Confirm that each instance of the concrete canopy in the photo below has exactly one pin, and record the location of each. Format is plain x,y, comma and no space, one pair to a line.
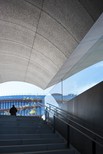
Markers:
38,37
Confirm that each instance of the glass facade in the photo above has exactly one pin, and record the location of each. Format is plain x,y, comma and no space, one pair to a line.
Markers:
57,95
27,105
69,88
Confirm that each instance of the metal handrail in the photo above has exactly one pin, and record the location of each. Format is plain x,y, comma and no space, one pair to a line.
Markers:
68,123
61,110
76,122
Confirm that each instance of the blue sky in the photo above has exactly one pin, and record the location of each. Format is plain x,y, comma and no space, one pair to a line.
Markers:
81,81
85,79
75,84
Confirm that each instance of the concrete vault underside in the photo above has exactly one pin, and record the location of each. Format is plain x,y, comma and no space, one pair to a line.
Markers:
44,41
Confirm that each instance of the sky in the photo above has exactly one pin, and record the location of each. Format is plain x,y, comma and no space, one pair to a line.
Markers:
21,88
85,79
75,84
81,81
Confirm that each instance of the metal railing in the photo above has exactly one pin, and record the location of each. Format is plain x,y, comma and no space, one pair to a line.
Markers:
71,122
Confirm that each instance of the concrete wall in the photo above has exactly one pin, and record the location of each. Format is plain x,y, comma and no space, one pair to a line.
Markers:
88,108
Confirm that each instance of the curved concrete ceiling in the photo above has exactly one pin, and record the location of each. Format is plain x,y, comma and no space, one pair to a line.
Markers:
37,37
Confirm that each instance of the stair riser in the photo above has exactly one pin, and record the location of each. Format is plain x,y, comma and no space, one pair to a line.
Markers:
25,132
27,136
24,128
31,148
53,152
25,142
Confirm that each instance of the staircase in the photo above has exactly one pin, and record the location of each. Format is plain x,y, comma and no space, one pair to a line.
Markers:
29,135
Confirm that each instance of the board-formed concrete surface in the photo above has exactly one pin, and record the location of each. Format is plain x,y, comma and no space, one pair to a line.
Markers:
40,39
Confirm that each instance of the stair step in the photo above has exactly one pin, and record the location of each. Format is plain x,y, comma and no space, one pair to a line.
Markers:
32,141
26,132
23,128
61,151
9,122
31,148
19,118
31,126
27,136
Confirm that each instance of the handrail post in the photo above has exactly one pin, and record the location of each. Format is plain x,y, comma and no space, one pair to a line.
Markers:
54,124
93,147
46,114
68,136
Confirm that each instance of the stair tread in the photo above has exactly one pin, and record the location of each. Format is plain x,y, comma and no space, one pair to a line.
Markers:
33,145
26,135
48,151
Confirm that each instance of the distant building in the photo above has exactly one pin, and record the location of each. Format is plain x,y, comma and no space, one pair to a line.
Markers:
63,98
27,105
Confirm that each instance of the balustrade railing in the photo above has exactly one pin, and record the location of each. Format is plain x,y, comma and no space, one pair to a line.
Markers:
72,122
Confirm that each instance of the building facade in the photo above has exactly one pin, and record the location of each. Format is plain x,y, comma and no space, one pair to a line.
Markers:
27,105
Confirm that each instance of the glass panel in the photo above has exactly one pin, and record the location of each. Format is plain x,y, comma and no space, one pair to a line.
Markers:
27,105
75,85
55,95
83,80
